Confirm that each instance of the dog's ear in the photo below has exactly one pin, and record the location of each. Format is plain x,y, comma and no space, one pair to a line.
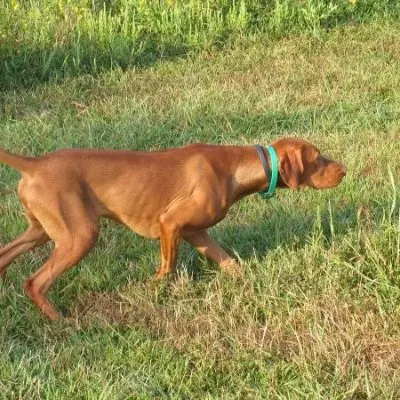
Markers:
291,167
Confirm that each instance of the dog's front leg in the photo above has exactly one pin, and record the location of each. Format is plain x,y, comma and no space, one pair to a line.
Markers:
206,245
169,238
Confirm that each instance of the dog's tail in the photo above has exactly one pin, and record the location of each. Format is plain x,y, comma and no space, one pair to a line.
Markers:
20,163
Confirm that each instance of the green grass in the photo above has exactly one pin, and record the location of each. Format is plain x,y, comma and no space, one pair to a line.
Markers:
43,40
316,314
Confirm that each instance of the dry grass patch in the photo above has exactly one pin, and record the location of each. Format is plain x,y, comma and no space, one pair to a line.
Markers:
339,333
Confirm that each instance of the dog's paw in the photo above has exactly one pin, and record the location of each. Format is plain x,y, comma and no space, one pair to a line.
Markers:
160,274
232,267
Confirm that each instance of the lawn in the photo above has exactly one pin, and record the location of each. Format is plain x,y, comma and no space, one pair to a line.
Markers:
316,314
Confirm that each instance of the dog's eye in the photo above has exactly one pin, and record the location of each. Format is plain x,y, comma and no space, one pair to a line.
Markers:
320,160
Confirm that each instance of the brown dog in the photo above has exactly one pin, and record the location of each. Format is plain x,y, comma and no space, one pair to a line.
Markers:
172,195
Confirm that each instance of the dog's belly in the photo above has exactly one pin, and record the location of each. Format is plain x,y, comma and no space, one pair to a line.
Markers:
142,226
132,208
141,221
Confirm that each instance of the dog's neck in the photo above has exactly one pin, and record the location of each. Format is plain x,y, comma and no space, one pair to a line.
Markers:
248,175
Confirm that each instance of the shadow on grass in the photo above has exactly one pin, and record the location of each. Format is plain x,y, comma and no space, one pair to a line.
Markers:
26,67
26,63
280,229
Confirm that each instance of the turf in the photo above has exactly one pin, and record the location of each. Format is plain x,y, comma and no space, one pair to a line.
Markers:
316,314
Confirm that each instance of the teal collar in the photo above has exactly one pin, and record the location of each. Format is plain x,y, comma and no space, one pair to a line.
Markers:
270,172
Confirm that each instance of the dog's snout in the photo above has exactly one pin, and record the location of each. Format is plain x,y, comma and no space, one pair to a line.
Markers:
342,170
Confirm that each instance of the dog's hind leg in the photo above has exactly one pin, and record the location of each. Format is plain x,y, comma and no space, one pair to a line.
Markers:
73,225
65,255
34,236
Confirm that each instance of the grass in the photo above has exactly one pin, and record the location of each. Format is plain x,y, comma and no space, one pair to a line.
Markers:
316,314
53,39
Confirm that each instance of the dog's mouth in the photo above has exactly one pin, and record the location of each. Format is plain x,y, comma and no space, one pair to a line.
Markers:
334,182
325,183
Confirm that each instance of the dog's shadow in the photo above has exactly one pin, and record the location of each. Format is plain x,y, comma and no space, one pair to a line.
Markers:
276,230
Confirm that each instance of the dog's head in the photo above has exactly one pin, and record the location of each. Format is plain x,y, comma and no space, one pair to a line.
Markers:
301,164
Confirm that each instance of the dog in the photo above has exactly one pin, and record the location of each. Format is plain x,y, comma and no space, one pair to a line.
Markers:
168,195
